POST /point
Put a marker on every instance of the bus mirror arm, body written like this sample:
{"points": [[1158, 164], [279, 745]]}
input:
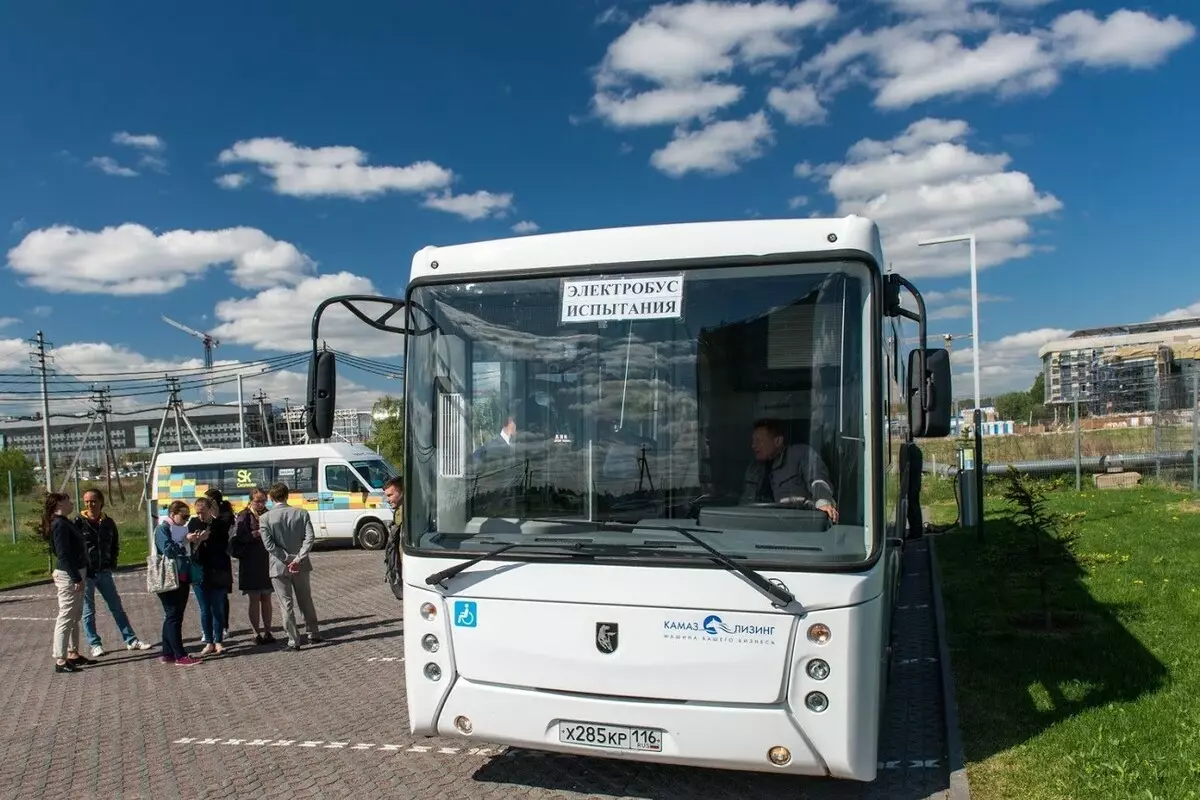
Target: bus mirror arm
{"points": [[928, 370], [320, 403]]}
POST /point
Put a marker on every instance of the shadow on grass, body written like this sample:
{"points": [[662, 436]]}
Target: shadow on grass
{"points": [[1014, 678]]}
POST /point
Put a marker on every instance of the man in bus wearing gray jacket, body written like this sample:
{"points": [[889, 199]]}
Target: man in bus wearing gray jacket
{"points": [[287, 534]]}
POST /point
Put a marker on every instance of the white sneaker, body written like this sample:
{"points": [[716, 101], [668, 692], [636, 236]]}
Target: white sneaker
{"points": [[97, 651], [138, 644]]}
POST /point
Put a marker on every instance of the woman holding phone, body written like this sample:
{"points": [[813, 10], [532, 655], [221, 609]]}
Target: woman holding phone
{"points": [[173, 540]]}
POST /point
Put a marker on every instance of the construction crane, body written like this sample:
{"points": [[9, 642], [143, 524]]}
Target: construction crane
{"points": [[209, 344]]}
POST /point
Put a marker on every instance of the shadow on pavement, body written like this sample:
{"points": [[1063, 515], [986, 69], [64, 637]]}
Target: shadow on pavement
{"points": [[602, 777]]}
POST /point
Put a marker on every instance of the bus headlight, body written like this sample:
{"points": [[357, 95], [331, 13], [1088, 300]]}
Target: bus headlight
{"points": [[434, 672], [819, 633], [429, 611], [430, 643], [463, 724], [817, 669], [779, 755], [816, 702]]}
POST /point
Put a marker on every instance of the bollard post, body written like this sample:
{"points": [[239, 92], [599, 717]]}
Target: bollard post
{"points": [[76, 488], [1078, 452], [12, 508], [977, 421]]}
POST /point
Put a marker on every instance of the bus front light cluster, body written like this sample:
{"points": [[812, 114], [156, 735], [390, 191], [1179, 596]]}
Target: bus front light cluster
{"points": [[428, 612], [431, 643], [818, 669], [433, 672]]}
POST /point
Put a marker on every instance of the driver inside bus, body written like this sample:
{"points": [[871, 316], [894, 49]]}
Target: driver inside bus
{"points": [[790, 475]]}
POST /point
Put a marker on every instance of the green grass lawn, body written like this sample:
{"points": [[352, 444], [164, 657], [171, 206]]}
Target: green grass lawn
{"points": [[1108, 704], [29, 559]]}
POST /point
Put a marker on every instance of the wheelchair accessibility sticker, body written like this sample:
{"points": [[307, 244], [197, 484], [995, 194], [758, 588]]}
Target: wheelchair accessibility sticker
{"points": [[464, 613]]}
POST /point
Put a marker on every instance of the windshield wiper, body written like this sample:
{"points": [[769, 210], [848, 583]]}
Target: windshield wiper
{"points": [[779, 596], [449, 572]]}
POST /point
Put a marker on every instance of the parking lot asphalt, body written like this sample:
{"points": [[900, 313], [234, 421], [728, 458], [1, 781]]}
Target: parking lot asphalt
{"points": [[330, 720]]}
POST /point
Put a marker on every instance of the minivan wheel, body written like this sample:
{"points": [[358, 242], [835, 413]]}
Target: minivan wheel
{"points": [[371, 536]]}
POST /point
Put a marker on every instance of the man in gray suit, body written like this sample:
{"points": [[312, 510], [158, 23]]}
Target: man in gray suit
{"points": [[287, 534]]}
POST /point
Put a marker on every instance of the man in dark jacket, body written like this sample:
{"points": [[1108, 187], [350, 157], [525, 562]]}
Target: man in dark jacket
{"points": [[103, 545], [393, 490]]}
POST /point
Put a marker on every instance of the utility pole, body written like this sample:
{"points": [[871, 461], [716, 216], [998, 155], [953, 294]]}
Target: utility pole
{"points": [[287, 418], [39, 357], [104, 407], [261, 397], [173, 390]]}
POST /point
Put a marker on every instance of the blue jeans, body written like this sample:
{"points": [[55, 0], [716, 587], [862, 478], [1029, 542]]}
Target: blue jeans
{"points": [[103, 581], [212, 612]]}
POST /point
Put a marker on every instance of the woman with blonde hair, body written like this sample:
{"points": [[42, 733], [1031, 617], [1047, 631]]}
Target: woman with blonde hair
{"points": [[70, 572]]}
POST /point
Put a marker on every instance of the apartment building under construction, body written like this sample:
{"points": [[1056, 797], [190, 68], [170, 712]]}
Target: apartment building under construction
{"points": [[1125, 369]]}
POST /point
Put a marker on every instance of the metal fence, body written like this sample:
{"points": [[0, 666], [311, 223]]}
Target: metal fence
{"points": [[1146, 424]]}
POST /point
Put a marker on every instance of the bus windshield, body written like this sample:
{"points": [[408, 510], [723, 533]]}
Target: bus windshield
{"points": [[613, 407]]}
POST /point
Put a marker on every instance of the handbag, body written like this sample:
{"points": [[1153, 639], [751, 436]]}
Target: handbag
{"points": [[161, 575], [195, 573]]}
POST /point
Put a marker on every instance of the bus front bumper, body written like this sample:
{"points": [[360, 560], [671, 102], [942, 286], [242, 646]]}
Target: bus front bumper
{"points": [[757, 738]]}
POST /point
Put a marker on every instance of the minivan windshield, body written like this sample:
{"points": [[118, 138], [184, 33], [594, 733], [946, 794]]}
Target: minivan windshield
{"points": [[729, 400]]}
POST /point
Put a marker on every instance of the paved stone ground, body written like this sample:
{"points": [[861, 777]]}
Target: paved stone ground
{"points": [[330, 721]]}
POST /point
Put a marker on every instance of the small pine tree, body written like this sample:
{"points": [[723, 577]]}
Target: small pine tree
{"points": [[1030, 513]]}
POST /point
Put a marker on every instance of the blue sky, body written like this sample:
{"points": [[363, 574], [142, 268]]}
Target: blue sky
{"points": [[1060, 131]]}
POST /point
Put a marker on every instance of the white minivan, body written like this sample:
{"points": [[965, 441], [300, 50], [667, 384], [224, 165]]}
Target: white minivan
{"points": [[340, 484]]}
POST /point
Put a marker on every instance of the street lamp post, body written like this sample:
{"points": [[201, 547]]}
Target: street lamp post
{"points": [[967, 237]]}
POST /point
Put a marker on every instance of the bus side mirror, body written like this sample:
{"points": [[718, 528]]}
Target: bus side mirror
{"points": [[934, 419], [322, 395]]}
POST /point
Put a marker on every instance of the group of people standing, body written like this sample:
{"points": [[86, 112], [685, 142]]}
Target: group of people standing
{"points": [[272, 547]]}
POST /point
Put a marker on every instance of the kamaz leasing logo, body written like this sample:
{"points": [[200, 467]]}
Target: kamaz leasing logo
{"points": [[713, 626]]}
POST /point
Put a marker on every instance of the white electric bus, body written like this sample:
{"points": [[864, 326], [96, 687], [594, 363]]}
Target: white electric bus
{"points": [[647, 512]]}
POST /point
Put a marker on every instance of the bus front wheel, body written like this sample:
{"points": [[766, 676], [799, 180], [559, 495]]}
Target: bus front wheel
{"points": [[371, 536]]}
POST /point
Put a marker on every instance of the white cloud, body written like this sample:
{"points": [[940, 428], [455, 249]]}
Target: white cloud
{"points": [[143, 141], [679, 63], [718, 149], [926, 56], [799, 201], [803, 169], [234, 180], [799, 105], [280, 318], [1183, 312], [1126, 39], [927, 183], [131, 259], [110, 166], [475, 206], [668, 104], [1007, 364], [526, 226], [156, 163], [7, 321], [332, 171]]}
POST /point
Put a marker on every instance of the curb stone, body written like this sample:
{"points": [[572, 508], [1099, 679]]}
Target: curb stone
{"points": [[960, 788]]}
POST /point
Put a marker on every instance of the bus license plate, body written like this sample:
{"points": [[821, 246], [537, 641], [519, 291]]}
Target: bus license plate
{"points": [[612, 737]]}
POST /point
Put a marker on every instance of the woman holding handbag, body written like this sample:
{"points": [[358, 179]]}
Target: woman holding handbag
{"points": [[212, 590], [173, 542]]}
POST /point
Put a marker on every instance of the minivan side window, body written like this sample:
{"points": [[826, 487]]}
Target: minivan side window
{"points": [[338, 478], [300, 476]]}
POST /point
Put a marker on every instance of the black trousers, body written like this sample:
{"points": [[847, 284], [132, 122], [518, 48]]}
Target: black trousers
{"points": [[174, 603]]}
